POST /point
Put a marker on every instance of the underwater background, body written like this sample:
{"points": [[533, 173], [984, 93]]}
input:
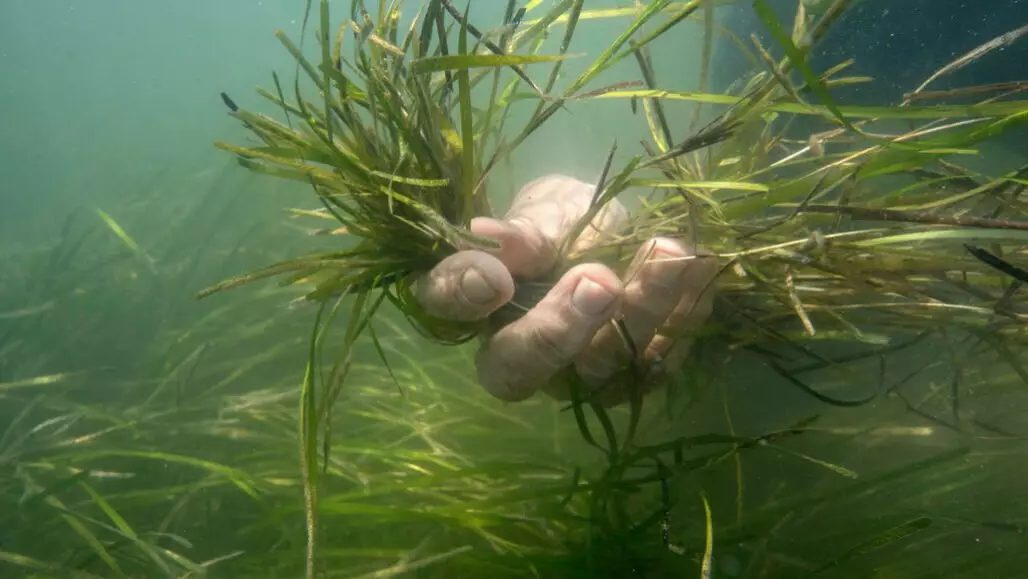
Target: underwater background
{"points": [[144, 433]]}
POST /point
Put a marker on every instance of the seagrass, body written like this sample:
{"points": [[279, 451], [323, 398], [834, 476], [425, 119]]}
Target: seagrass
{"points": [[833, 224]]}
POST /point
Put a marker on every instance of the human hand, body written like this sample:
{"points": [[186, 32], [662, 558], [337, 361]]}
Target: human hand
{"points": [[571, 324]]}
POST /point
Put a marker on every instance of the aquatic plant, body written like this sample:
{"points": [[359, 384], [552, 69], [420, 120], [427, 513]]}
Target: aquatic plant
{"points": [[835, 225], [168, 448], [182, 463], [841, 230]]}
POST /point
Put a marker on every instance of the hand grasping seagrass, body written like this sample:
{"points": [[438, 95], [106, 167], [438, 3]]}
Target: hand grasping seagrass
{"points": [[572, 323]]}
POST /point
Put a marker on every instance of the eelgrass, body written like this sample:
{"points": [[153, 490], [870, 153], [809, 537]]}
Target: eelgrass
{"points": [[151, 466], [394, 148], [149, 476], [851, 232], [389, 146], [807, 230]]}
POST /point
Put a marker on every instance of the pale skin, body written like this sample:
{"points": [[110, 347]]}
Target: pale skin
{"points": [[666, 285]]}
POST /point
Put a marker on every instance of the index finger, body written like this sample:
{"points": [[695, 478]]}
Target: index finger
{"points": [[524, 250], [553, 205]]}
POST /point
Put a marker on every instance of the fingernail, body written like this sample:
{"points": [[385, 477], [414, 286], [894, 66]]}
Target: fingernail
{"points": [[591, 298], [476, 289]]}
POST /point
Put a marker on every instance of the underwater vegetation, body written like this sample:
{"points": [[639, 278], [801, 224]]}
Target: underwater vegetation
{"points": [[871, 268]]}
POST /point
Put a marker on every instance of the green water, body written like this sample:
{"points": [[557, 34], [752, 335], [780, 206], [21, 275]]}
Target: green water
{"points": [[144, 433]]}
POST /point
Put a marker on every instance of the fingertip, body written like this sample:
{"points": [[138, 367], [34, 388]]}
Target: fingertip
{"points": [[488, 227], [466, 286], [596, 290], [523, 356]]}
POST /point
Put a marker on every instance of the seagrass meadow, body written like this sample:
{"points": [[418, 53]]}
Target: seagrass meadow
{"points": [[857, 406]]}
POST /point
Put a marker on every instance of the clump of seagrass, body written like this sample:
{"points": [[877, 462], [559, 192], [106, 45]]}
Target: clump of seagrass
{"points": [[852, 232], [399, 157], [858, 234], [395, 150], [863, 236]]}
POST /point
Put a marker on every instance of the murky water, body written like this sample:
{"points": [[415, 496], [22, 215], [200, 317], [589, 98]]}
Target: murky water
{"points": [[145, 433]]}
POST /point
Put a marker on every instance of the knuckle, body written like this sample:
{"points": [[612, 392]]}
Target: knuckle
{"points": [[546, 347], [596, 365]]}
